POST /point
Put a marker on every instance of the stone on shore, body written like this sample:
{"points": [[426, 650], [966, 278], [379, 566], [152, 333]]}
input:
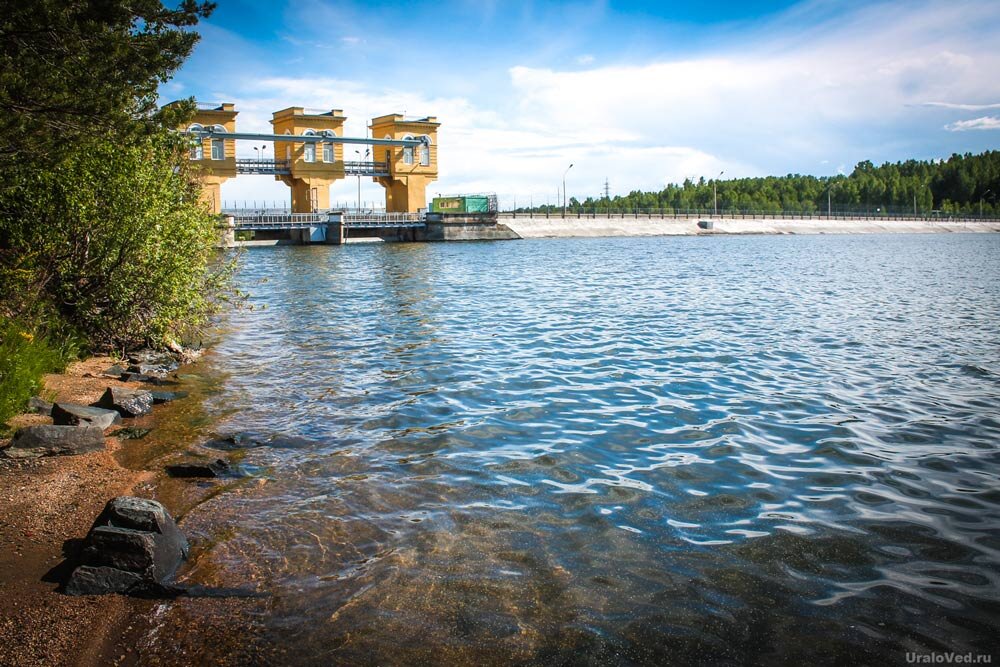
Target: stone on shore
{"points": [[71, 414], [207, 469], [133, 547], [113, 372], [39, 405], [54, 440], [126, 402]]}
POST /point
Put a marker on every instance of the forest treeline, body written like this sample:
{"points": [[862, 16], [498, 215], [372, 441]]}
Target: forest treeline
{"points": [[961, 185]]}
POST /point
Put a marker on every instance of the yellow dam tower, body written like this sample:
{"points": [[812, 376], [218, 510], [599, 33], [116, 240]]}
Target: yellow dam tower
{"points": [[309, 149]]}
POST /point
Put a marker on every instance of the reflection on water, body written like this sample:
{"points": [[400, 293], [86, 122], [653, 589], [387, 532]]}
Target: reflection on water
{"points": [[607, 451]]}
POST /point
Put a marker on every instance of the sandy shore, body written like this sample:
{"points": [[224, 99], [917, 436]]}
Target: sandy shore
{"points": [[640, 226], [43, 503]]}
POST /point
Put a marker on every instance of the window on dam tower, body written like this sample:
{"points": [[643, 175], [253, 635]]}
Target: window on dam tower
{"points": [[218, 145], [197, 151]]}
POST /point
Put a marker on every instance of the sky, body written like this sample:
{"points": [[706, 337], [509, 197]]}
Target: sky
{"points": [[635, 94]]}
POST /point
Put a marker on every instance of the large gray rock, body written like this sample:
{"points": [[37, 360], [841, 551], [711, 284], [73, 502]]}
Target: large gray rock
{"points": [[134, 546], [126, 402], [51, 440], [71, 414], [39, 405], [88, 580]]}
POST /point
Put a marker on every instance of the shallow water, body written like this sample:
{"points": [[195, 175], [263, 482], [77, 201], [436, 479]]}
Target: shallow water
{"points": [[721, 450]]}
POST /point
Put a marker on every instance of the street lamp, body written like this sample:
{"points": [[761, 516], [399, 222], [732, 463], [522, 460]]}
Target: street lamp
{"points": [[256, 152], [981, 202], [367, 153], [564, 187], [715, 193]]}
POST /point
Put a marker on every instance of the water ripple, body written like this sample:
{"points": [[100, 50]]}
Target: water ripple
{"points": [[725, 450]]}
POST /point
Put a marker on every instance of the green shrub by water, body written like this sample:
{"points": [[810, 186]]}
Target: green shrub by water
{"points": [[26, 355]]}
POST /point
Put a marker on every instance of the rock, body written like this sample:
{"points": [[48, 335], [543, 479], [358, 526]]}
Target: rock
{"points": [[113, 372], [126, 402], [208, 469], [132, 433], [160, 397], [70, 414], [39, 405], [52, 440], [133, 546], [88, 580]]}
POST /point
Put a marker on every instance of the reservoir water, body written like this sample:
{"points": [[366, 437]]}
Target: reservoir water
{"points": [[721, 450]]}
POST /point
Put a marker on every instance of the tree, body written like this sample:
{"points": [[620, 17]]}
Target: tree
{"points": [[74, 70]]}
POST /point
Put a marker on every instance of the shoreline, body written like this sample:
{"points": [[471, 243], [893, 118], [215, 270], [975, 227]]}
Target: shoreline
{"points": [[637, 226], [46, 504]]}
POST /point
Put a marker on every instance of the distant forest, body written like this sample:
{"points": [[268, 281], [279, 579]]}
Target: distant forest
{"points": [[963, 184]]}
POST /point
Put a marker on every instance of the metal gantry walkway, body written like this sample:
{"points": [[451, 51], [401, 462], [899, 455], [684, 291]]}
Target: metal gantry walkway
{"points": [[279, 167]]}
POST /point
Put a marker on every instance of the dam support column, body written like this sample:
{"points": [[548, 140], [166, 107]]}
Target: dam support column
{"points": [[335, 229]]}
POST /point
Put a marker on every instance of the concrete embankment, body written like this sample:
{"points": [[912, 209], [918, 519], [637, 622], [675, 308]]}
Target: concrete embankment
{"points": [[587, 226]]}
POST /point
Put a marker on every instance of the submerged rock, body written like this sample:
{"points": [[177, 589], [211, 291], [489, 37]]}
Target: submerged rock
{"points": [[203, 469], [126, 402], [132, 433], [54, 440], [134, 546], [71, 414], [160, 397]]}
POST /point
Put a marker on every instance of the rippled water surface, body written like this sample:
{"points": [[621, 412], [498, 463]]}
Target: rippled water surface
{"points": [[721, 450]]}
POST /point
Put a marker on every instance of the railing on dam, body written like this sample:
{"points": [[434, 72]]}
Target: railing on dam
{"points": [[381, 219], [675, 214], [244, 220]]}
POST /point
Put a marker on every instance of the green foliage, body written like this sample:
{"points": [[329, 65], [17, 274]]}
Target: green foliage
{"points": [[80, 69], [102, 239], [112, 239], [25, 355], [960, 185]]}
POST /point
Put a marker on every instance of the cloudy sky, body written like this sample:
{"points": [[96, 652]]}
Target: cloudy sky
{"points": [[639, 93]]}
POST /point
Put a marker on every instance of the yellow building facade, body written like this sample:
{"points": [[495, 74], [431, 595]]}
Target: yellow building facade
{"points": [[411, 168], [404, 166], [313, 167], [214, 159]]}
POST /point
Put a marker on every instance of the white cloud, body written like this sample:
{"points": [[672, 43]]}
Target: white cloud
{"points": [[984, 123], [585, 59], [962, 107]]}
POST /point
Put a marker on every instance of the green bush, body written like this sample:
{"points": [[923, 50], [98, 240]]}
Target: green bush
{"points": [[25, 356], [112, 242]]}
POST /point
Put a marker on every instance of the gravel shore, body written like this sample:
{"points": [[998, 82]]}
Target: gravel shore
{"points": [[44, 503]]}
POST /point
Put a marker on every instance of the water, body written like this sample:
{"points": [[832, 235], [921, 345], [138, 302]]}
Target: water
{"points": [[722, 450]]}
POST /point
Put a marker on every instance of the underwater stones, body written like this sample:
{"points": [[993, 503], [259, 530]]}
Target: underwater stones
{"points": [[133, 547], [71, 414], [126, 402], [160, 397], [54, 440], [199, 469]]}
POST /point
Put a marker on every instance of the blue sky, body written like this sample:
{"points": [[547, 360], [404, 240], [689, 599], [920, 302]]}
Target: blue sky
{"points": [[640, 93]]}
